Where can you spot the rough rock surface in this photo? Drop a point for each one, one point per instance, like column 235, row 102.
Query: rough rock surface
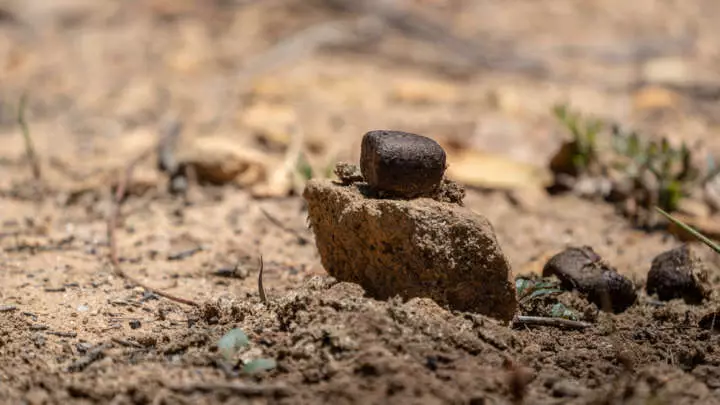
column 402, row 163
column 415, row 248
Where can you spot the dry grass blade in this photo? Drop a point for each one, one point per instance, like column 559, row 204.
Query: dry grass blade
column 704, row 239
column 261, row 289
column 29, row 147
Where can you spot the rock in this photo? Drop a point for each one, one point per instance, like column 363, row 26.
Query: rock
column 710, row 321
column 401, row 163
column 679, row 273
column 220, row 160
column 411, row 248
column 580, row 268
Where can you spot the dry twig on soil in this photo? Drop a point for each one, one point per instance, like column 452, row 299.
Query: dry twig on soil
column 112, row 236
column 543, row 321
column 92, row 356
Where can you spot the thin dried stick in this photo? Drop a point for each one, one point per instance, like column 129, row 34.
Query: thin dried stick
column 29, row 148
column 301, row 238
column 112, row 237
column 261, row 289
column 543, row 321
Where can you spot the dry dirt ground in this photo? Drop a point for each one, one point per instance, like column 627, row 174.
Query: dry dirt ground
column 103, row 79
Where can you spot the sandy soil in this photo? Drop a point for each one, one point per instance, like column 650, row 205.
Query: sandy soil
column 103, row 79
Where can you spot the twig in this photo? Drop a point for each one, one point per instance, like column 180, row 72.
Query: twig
column 261, row 289
column 112, row 237
column 29, row 148
column 301, row 238
column 543, row 321
column 7, row 308
column 127, row 343
column 91, row 357
column 62, row 334
column 184, row 254
column 234, row 388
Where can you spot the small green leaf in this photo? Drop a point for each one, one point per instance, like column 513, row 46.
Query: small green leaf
column 540, row 293
column 232, row 341
column 561, row 311
column 259, row 365
column 523, row 284
column 304, row 168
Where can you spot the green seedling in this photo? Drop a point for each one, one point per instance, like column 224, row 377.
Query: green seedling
column 304, row 168
column 527, row 289
column 672, row 168
column 702, row 238
column 584, row 137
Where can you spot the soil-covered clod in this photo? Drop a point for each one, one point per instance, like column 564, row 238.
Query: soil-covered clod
column 415, row 248
column 348, row 173
column 401, row 163
column 582, row 269
column 679, row 273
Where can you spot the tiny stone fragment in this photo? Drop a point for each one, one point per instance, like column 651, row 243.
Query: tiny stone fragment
column 348, row 173
column 411, row 248
column 402, row 164
column 580, row 268
column 679, row 273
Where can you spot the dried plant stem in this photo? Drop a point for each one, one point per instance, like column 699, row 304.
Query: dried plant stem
column 112, row 236
column 261, row 289
column 704, row 239
column 543, row 321
column 29, row 147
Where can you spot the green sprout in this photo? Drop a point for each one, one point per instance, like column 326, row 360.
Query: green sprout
column 584, row 137
column 304, row 168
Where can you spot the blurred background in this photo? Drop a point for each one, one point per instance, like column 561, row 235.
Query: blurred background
column 104, row 77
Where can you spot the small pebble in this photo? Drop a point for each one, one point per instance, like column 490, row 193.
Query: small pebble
column 403, row 164
column 135, row 324
column 679, row 273
column 580, row 268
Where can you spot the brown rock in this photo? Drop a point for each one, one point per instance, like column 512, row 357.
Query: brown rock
column 401, row 163
column 679, row 273
column 415, row 248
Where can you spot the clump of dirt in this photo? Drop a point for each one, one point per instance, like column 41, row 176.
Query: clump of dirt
column 411, row 248
column 679, row 273
column 582, row 269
